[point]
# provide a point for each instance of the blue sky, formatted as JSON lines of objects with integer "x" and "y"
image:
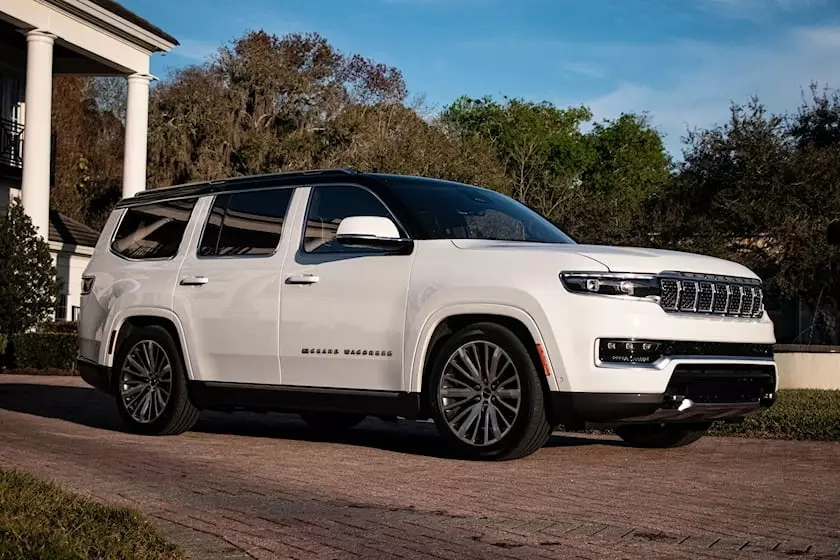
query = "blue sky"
{"x": 681, "y": 61}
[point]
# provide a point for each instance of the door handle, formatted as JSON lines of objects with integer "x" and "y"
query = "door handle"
{"x": 194, "y": 281}
{"x": 302, "y": 279}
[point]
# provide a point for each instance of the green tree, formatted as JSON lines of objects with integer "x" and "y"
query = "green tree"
{"x": 263, "y": 103}
{"x": 594, "y": 185}
{"x": 29, "y": 288}
{"x": 89, "y": 140}
{"x": 629, "y": 169}
{"x": 540, "y": 147}
{"x": 762, "y": 190}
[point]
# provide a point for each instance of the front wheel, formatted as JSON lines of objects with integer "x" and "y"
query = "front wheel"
{"x": 486, "y": 396}
{"x": 661, "y": 435}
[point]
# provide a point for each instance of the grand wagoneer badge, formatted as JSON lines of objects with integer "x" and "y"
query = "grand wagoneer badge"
{"x": 348, "y": 352}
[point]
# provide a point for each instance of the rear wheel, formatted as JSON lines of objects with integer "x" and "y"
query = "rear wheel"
{"x": 151, "y": 384}
{"x": 331, "y": 421}
{"x": 661, "y": 435}
{"x": 486, "y": 396}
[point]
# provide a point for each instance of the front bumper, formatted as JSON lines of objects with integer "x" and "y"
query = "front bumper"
{"x": 695, "y": 393}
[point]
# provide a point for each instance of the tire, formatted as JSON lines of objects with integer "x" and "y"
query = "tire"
{"x": 177, "y": 414}
{"x": 331, "y": 421}
{"x": 661, "y": 435}
{"x": 494, "y": 430}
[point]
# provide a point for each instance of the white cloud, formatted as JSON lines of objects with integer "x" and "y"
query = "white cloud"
{"x": 584, "y": 69}
{"x": 711, "y": 76}
{"x": 196, "y": 51}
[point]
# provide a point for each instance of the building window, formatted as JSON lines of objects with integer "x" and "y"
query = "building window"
{"x": 245, "y": 224}
{"x": 61, "y": 308}
{"x": 153, "y": 231}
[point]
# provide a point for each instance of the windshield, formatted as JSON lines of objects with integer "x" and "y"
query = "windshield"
{"x": 448, "y": 210}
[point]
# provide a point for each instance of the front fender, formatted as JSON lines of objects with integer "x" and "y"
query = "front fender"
{"x": 416, "y": 353}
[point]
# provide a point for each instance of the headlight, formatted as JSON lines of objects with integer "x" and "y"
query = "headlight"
{"x": 612, "y": 284}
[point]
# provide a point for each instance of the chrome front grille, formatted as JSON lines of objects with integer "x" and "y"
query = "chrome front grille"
{"x": 710, "y": 294}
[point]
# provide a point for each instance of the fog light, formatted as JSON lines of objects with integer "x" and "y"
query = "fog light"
{"x": 630, "y": 351}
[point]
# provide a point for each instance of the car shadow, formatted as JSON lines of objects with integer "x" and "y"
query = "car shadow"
{"x": 92, "y": 408}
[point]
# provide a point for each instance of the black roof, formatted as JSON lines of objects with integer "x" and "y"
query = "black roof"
{"x": 280, "y": 179}
{"x": 128, "y": 15}
{"x": 203, "y": 188}
{"x": 376, "y": 182}
{"x": 70, "y": 232}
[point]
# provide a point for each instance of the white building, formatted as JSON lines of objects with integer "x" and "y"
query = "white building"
{"x": 42, "y": 38}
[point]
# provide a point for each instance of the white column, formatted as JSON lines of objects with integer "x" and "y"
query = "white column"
{"x": 35, "y": 184}
{"x": 136, "y": 134}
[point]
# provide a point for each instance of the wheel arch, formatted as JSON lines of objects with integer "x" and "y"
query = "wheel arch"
{"x": 443, "y": 323}
{"x": 122, "y": 324}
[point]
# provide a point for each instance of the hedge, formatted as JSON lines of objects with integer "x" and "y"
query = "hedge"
{"x": 804, "y": 414}
{"x": 3, "y": 340}
{"x": 43, "y": 350}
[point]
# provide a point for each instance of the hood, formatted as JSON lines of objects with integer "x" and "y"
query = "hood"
{"x": 623, "y": 259}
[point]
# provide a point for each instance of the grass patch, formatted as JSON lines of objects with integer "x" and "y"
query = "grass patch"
{"x": 804, "y": 414}
{"x": 40, "y": 520}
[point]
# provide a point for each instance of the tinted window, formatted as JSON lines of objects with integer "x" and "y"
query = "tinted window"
{"x": 153, "y": 231}
{"x": 448, "y": 210}
{"x": 327, "y": 207}
{"x": 247, "y": 223}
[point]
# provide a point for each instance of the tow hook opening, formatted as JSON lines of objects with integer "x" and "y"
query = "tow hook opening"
{"x": 678, "y": 402}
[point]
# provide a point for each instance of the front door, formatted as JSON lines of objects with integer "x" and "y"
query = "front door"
{"x": 342, "y": 309}
{"x": 228, "y": 290}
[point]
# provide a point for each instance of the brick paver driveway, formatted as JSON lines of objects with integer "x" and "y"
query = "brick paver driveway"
{"x": 243, "y": 486}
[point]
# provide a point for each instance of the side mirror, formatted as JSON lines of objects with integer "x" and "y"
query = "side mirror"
{"x": 370, "y": 232}
{"x": 833, "y": 233}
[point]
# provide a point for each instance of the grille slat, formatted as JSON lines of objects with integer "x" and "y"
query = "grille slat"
{"x": 734, "y": 297}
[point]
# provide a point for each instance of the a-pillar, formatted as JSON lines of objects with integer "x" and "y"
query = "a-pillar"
{"x": 35, "y": 183}
{"x": 136, "y": 134}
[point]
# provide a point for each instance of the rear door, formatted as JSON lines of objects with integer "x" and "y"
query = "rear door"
{"x": 228, "y": 289}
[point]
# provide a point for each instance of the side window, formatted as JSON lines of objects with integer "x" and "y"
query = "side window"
{"x": 153, "y": 231}
{"x": 327, "y": 207}
{"x": 245, "y": 223}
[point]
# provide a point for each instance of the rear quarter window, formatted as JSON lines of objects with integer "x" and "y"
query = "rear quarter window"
{"x": 153, "y": 231}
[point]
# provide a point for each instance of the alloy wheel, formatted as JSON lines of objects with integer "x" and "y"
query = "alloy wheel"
{"x": 480, "y": 393}
{"x": 146, "y": 381}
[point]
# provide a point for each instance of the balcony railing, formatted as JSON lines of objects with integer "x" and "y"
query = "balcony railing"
{"x": 11, "y": 147}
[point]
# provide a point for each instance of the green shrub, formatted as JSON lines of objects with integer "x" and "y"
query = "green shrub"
{"x": 40, "y": 520}
{"x": 29, "y": 287}
{"x": 45, "y": 350}
{"x": 806, "y": 414}
{"x": 3, "y": 340}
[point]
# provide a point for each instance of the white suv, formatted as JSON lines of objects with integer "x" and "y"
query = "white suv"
{"x": 338, "y": 295}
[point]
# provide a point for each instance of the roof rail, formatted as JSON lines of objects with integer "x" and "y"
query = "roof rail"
{"x": 346, "y": 170}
